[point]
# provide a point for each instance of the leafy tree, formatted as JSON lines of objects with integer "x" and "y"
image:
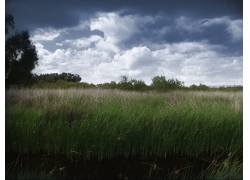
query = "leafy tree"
{"x": 20, "y": 59}
{"x": 55, "y": 78}
{"x": 230, "y": 88}
{"x": 123, "y": 79}
{"x": 193, "y": 87}
{"x": 132, "y": 84}
{"x": 113, "y": 85}
{"x": 124, "y": 83}
{"x": 174, "y": 84}
{"x": 160, "y": 83}
{"x": 9, "y": 22}
{"x": 138, "y": 85}
{"x": 203, "y": 87}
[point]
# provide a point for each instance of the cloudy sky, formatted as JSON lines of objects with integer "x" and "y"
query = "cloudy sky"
{"x": 193, "y": 41}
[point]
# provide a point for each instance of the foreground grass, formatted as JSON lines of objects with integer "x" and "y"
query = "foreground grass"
{"x": 105, "y": 123}
{"x": 109, "y": 123}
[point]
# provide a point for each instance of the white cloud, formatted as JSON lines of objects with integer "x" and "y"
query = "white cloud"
{"x": 41, "y": 51}
{"x": 130, "y": 61}
{"x": 100, "y": 59}
{"x": 47, "y": 34}
{"x": 117, "y": 28}
{"x": 234, "y": 27}
{"x": 59, "y": 44}
{"x": 173, "y": 61}
{"x": 82, "y": 42}
{"x": 185, "y": 23}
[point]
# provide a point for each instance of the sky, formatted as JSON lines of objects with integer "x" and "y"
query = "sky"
{"x": 193, "y": 41}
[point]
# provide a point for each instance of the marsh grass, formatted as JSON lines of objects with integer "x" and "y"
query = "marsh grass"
{"x": 230, "y": 167}
{"x": 17, "y": 170}
{"x": 109, "y": 123}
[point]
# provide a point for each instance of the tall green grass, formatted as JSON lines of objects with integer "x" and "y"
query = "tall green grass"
{"x": 16, "y": 170}
{"x": 110, "y": 123}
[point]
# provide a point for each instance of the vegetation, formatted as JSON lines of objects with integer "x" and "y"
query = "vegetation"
{"x": 159, "y": 84}
{"x": 9, "y": 23}
{"x": 61, "y": 116}
{"x": 20, "y": 56}
{"x": 55, "y": 77}
{"x": 107, "y": 124}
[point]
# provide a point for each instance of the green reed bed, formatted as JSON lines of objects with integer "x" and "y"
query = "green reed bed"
{"x": 109, "y": 123}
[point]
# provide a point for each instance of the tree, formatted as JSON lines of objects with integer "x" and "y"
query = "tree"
{"x": 124, "y": 83}
{"x": 174, "y": 84}
{"x": 20, "y": 57}
{"x": 113, "y": 85}
{"x": 203, "y": 87}
{"x": 138, "y": 85}
{"x": 70, "y": 77}
{"x": 9, "y": 22}
{"x": 160, "y": 83}
{"x": 123, "y": 79}
{"x": 54, "y": 77}
{"x": 193, "y": 87}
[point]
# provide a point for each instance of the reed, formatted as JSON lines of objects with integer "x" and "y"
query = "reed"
{"x": 107, "y": 123}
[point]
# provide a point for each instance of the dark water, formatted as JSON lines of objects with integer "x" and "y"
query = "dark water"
{"x": 119, "y": 168}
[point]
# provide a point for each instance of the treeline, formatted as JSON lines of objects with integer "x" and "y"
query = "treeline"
{"x": 54, "y": 77}
{"x": 159, "y": 83}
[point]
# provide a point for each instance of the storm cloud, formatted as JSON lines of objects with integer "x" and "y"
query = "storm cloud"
{"x": 193, "y": 41}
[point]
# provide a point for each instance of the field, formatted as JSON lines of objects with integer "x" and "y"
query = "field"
{"x": 107, "y": 134}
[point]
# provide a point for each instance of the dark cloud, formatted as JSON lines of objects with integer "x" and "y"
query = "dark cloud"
{"x": 75, "y": 34}
{"x": 194, "y": 40}
{"x": 204, "y": 21}
{"x": 165, "y": 31}
{"x": 59, "y": 14}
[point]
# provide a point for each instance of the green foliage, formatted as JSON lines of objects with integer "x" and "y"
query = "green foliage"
{"x": 231, "y": 88}
{"x": 112, "y": 85}
{"x": 139, "y": 85}
{"x": 20, "y": 56}
{"x": 202, "y": 87}
{"x": 193, "y": 87}
{"x": 54, "y": 77}
{"x": 132, "y": 84}
{"x": 102, "y": 124}
{"x": 76, "y": 120}
{"x": 227, "y": 168}
{"x": 160, "y": 83}
{"x": 125, "y": 84}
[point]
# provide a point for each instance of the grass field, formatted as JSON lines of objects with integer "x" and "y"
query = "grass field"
{"x": 108, "y": 124}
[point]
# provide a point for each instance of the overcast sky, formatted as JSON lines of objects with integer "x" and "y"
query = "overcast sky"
{"x": 193, "y": 41}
